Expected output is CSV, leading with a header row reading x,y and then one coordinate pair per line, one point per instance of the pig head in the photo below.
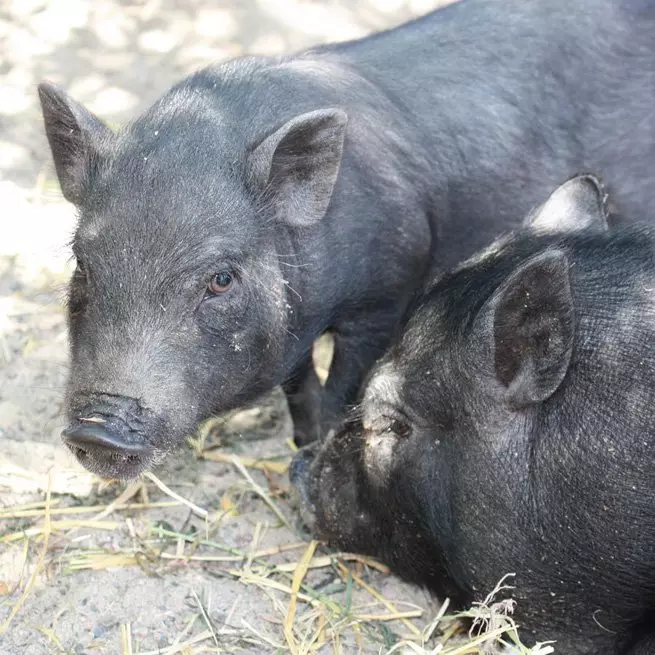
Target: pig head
x,y
178,299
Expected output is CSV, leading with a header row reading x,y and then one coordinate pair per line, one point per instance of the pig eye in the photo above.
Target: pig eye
x,y
221,282
400,428
393,423
80,269
77,290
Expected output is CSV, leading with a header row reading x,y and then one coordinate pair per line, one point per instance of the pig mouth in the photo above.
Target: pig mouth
x,y
315,469
101,453
108,442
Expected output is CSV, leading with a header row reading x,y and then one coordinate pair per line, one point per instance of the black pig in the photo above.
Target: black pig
x,y
511,429
264,201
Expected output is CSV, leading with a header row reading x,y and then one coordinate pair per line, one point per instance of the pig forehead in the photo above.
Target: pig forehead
x,y
426,332
143,208
149,234
157,191
180,218
169,167
386,381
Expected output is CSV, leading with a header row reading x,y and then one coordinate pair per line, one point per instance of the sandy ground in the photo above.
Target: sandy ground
x,y
117,57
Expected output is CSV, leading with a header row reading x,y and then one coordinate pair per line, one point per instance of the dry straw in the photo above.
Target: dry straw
x,y
305,618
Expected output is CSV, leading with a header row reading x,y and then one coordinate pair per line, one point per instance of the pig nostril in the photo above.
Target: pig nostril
x,y
120,457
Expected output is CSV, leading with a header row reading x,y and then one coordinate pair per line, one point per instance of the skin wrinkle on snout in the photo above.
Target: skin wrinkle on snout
x,y
132,365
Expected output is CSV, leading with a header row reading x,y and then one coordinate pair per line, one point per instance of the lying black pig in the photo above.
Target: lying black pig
x,y
264,201
511,429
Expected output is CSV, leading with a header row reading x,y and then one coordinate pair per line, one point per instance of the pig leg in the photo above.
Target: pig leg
x,y
303,391
314,409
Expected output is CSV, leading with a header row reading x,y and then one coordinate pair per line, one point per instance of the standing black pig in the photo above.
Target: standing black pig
x,y
511,429
264,201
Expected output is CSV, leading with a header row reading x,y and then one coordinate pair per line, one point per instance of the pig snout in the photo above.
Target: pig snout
x,y
108,437
84,437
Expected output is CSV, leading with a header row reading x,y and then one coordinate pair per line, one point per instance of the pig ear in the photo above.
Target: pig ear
x,y
579,203
297,165
529,322
74,134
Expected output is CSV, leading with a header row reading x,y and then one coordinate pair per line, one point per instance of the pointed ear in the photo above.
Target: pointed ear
x,y
298,165
579,203
74,134
528,327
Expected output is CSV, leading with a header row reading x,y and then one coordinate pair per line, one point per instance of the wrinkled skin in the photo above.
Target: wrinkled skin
x,y
511,429
264,201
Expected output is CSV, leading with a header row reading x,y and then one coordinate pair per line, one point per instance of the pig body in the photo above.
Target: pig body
x,y
264,201
511,429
